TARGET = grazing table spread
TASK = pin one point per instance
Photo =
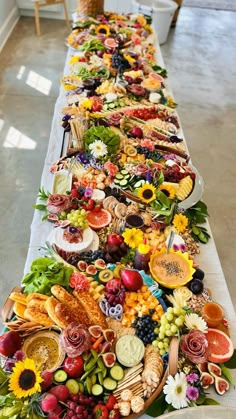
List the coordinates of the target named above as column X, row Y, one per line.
column 123, row 307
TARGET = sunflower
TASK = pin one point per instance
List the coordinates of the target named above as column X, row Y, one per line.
column 147, row 193
column 25, row 379
column 168, row 190
column 180, row 222
column 133, row 237
column 103, row 30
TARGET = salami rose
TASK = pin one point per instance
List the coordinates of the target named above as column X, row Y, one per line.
column 57, row 203
column 75, row 339
column 195, row 346
column 136, row 89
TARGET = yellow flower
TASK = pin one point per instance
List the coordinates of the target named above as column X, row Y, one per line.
column 103, row 30
column 133, row 237
column 86, row 103
column 25, row 379
column 74, row 59
column 170, row 102
column 180, row 222
column 130, row 59
column 147, row 193
column 141, row 20
column 168, row 190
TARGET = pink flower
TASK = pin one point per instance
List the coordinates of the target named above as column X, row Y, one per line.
column 192, row 393
column 191, row 378
column 146, row 142
column 195, row 346
column 79, row 281
column 111, row 168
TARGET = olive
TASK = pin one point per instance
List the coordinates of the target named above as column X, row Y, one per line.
column 199, row 274
column 196, row 286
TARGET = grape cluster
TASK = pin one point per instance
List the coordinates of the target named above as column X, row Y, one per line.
column 173, row 174
column 78, row 218
column 92, row 255
column 169, row 326
column 144, row 327
column 119, row 62
column 154, row 155
column 80, row 407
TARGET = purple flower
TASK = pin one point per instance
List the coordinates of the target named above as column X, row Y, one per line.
column 9, row 364
column 170, row 157
column 191, row 378
column 88, row 192
column 192, row 393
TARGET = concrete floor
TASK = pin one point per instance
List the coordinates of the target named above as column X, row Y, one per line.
column 200, row 56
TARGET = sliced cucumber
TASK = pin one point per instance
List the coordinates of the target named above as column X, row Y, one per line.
column 117, row 373
column 60, row 376
column 117, row 181
column 127, row 176
column 73, row 386
column 124, row 172
column 139, row 184
column 124, row 182
column 119, row 176
column 97, row 389
column 109, row 384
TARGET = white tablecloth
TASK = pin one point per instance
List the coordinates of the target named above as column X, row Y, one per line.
column 208, row 258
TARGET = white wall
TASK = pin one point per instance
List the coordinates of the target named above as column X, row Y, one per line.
column 8, row 18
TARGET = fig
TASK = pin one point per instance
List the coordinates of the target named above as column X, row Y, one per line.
column 105, row 275
column 206, row 379
column 106, row 347
column 109, row 359
column 214, row 369
column 100, row 264
column 196, row 286
column 82, row 265
column 202, row 367
column 117, row 271
column 198, row 274
column 109, row 335
column 221, row 385
column 53, row 217
column 91, row 270
column 95, row 331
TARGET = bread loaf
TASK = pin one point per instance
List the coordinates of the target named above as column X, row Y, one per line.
column 19, row 309
column 34, row 315
column 18, row 297
column 37, row 305
column 36, row 295
column 50, row 306
column 91, row 308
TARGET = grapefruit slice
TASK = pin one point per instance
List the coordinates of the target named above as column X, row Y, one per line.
column 98, row 219
column 220, row 346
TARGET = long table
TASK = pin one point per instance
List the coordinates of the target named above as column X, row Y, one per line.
column 207, row 259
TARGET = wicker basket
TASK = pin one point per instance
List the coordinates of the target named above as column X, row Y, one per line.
column 90, row 7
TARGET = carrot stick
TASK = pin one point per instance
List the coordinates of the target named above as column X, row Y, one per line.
column 97, row 343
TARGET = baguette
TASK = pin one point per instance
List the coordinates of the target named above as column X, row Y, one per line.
column 37, row 305
column 19, row 309
column 36, row 295
column 65, row 314
column 34, row 315
column 18, row 297
column 50, row 306
column 78, row 311
column 91, row 308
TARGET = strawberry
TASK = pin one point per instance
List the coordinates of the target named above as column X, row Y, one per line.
column 74, row 193
column 111, row 402
column 114, row 414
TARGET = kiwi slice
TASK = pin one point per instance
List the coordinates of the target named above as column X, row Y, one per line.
column 105, row 275
column 117, row 271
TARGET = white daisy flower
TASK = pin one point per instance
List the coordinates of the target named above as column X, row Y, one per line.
column 195, row 322
column 175, row 390
column 98, row 148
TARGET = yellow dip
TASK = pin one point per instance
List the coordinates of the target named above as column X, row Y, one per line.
column 44, row 350
column 129, row 350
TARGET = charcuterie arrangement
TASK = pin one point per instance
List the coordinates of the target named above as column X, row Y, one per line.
column 119, row 286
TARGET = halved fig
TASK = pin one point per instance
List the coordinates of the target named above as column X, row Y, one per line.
column 106, row 347
column 206, row 379
column 221, row 385
column 95, row 331
column 109, row 335
column 202, row 367
column 82, row 265
column 91, row 270
column 53, row 217
column 214, row 369
column 100, row 264
column 109, row 359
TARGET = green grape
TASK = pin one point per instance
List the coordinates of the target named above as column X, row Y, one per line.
column 155, row 343
column 167, row 326
column 160, row 345
column 161, row 335
column 174, row 329
column 164, row 320
column 168, row 333
column 162, row 352
column 170, row 310
column 177, row 311
column 156, row 330
column 179, row 322
column 166, row 345
column 162, row 329
column 169, row 317
column 166, row 340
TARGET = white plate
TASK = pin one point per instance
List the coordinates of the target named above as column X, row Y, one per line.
column 56, row 237
column 95, row 243
column 197, row 192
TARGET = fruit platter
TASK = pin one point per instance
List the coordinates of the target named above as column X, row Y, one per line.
column 113, row 318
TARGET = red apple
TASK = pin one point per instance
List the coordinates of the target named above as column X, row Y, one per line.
column 10, row 342
column 74, row 366
column 131, row 279
column 136, row 132
column 115, row 239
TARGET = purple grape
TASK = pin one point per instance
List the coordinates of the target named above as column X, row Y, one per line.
column 70, row 413
column 72, row 405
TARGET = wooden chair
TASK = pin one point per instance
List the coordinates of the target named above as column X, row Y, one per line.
column 43, row 3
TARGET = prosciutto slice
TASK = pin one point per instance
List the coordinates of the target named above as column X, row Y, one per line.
column 75, row 339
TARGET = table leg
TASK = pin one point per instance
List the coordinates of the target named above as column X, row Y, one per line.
column 36, row 15
column 66, row 15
